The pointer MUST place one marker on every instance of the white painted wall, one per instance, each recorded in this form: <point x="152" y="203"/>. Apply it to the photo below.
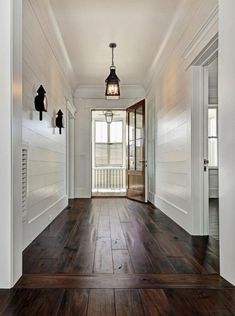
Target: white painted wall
<point x="170" y="90"/>
<point x="47" y="194"/>
<point x="86" y="99"/>
<point x="227" y="139"/>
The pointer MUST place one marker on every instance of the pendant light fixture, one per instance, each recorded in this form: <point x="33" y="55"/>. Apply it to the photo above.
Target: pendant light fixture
<point x="112" y="82"/>
<point x="108" y="116"/>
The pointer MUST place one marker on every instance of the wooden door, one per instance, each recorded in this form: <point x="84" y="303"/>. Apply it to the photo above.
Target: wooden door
<point x="136" y="163"/>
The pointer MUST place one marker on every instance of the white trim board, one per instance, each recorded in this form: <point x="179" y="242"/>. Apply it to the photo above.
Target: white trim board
<point x="36" y="225"/>
<point x="178" y="215"/>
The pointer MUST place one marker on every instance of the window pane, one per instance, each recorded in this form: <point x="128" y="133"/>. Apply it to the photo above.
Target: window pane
<point x="131" y="125"/>
<point x="101" y="132"/>
<point x="212" y="152"/>
<point x="131" y="157"/>
<point x="139" y="155"/>
<point x="116" y="132"/>
<point x="101" y="154"/>
<point x="116" y="154"/>
<point x="212" y="122"/>
<point x="139" y="124"/>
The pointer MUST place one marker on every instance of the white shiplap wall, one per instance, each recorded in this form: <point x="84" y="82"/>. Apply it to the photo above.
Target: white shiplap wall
<point x="47" y="188"/>
<point x="170" y="88"/>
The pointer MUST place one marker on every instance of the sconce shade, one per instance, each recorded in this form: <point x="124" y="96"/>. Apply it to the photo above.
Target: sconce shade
<point x="59" y="121"/>
<point x="40" y="101"/>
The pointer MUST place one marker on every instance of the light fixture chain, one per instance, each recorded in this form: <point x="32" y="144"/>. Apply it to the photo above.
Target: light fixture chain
<point x="112" y="56"/>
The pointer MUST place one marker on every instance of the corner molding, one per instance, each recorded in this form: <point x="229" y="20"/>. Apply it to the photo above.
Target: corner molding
<point x="200" y="34"/>
<point x="71" y="108"/>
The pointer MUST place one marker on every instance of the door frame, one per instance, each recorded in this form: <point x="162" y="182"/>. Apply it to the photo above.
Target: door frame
<point x="91" y="141"/>
<point x="199" y="184"/>
<point x="145" y="148"/>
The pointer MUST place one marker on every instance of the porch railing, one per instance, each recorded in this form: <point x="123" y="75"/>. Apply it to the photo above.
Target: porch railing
<point x="108" y="179"/>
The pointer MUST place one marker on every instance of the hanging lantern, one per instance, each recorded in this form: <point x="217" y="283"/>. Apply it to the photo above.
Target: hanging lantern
<point x="108" y="116"/>
<point x="112" y="82"/>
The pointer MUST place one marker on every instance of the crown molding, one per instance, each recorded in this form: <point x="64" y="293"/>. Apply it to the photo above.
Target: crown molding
<point x="202" y="32"/>
<point x="49" y="26"/>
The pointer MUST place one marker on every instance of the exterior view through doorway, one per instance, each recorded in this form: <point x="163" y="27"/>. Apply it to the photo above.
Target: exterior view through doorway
<point x="108" y="153"/>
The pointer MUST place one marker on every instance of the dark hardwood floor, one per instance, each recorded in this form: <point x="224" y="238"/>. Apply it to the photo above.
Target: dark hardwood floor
<point x="118" y="236"/>
<point x="118" y="257"/>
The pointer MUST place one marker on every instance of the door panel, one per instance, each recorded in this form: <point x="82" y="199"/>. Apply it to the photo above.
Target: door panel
<point x="136" y="163"/>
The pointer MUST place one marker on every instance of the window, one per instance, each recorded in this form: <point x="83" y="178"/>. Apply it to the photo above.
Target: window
<point x="213" y="136"/>
<point x="108" y="143"/>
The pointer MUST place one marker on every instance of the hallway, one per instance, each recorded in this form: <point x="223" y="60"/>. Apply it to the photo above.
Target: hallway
<point x="114" y="256"/>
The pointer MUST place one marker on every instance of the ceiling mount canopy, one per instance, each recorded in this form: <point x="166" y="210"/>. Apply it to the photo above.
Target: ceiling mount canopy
<point x="112" y="91"/>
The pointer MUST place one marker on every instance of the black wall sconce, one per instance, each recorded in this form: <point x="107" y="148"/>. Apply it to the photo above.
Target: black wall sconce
<point x="40" y="102"/>
<point x="59" y="120"/>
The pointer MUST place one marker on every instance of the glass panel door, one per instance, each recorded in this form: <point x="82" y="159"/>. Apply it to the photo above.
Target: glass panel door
<point x="136" y="163"/>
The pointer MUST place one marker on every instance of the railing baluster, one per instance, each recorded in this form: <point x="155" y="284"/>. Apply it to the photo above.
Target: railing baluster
<point x="106" y="178"/>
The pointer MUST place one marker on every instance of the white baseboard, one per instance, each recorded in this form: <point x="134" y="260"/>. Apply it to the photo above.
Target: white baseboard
<point x="33" y="228"/>
<point x="82" y="193"/>
<point x="177" y="214"/>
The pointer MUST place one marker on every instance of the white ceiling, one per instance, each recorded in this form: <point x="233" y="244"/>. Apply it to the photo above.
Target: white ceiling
<point x="88" y="26"/>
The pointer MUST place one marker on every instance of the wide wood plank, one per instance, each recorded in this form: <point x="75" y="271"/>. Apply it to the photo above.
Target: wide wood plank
<point x="101" y="303"/>
<point x="123" y="281"/>
<point x="128" y="302"/>
<point x="26" y="302"/>
<point x="74" y="302"/>
<point x="122" y="262"/>
<point x="155" y="303"/>
<point x="103" y="256"/>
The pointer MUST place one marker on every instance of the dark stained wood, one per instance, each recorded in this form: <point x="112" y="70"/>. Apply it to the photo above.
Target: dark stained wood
<point x="103" y="256"/>
<point x="4" y="297"/>
<point x="74" y="302"/>
<point x="101" y="303"/>
<point x="128" y="302"/>
<point x="155" y="303"/>
<point x="119" y="302"/>
<point x="118" y="257"/>
<point x="82" y="238"/>
<point x="25" y="302"/>
<point x="122" y="262"/>
<point x="123" y="281"/>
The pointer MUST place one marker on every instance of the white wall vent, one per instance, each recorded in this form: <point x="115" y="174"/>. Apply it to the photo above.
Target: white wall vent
<point x="24" y="182"/>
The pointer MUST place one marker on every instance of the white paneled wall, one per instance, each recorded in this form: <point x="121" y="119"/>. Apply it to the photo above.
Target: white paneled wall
<point x="47" y="194"/>
<point x="169" y="90"/>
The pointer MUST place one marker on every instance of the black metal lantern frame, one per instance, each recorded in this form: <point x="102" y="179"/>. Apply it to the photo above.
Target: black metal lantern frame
<point x="59" y="121"/>
<point x="40" y="101"/>
<point x="112" y="91"/>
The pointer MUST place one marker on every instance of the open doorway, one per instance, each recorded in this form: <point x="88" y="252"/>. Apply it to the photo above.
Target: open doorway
<point x="211" y="145"/>
<point x="108" y="153"/>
